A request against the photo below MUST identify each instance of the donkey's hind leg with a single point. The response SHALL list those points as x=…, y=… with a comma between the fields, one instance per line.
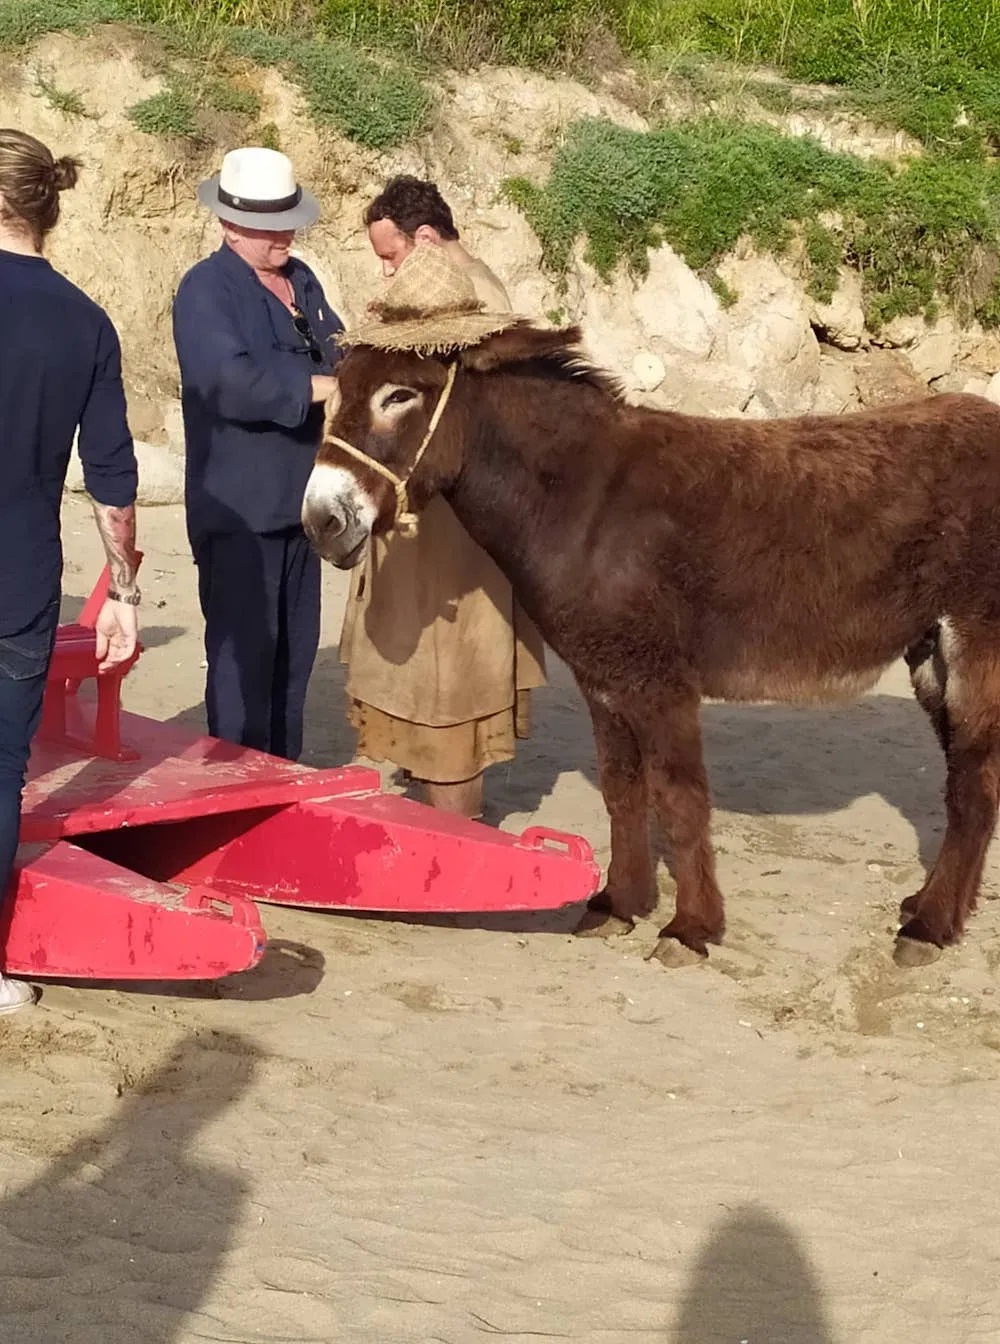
x=630, y=890
x=928, y=667
x=681, y=795
x=971, y=715
x=929, y=678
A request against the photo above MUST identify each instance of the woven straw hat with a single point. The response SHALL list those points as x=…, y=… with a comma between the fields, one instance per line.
x=430, y=306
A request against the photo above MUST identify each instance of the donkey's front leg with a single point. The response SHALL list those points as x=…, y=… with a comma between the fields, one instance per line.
x=682, y=800
x=630, y=889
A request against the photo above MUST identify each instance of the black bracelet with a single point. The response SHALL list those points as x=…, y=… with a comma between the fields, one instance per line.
x=131, y=600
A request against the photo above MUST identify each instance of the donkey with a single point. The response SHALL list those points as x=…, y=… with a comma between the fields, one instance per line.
x=668, y=557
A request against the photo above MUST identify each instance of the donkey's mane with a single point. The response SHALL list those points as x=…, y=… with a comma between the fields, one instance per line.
x=552, y=353
x=568, y=364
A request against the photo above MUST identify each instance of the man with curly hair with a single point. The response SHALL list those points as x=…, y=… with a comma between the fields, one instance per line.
x=441, y=659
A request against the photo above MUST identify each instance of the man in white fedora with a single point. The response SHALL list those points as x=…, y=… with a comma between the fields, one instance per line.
x=254, y=336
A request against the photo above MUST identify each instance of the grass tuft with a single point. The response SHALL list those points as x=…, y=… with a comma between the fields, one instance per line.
x=170, y=112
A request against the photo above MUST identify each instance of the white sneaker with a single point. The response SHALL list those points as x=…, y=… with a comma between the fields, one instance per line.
x=15, y=995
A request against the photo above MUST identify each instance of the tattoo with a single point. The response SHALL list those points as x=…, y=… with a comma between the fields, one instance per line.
x=117, y=529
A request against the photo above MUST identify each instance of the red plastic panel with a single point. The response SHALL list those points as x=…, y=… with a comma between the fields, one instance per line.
x=383, y=853
x=176, y=775
x=77, y=916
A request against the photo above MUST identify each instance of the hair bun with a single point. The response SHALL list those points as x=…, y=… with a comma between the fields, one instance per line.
x=64, y=172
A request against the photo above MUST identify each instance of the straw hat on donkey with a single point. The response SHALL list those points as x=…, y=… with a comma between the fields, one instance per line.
x=430, y=307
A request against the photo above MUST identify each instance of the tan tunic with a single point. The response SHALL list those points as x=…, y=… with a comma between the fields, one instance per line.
x=441, y=659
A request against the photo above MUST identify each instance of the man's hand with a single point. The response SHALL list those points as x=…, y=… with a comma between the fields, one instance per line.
x=117, y=630
x=322, y=386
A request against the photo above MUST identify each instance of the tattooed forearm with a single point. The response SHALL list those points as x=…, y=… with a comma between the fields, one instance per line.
x=117, y=529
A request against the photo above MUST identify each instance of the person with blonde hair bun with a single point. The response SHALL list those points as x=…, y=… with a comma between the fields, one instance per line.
x=60, y=379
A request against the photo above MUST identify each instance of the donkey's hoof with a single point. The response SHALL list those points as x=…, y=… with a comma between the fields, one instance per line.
x=913, y=952
x=598, y=923
x=672, y=954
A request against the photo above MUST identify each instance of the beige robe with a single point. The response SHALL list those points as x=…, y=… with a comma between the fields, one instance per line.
x=440, y=658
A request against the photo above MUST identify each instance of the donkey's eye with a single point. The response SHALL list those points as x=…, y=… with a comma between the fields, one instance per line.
x=399, y=396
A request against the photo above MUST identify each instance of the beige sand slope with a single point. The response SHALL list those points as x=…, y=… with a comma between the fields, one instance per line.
x=395, y=1132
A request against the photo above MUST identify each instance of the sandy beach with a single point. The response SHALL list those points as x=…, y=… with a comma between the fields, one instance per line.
x=452, y=1131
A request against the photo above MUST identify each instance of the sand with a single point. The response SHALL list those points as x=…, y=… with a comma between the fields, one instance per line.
x=454, y=1131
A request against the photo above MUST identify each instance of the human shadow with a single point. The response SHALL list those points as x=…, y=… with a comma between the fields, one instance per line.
x=752, y=1284
x=123, y=1237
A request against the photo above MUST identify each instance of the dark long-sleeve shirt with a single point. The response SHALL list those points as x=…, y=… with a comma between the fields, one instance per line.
x=60, y=371
x=250, y=427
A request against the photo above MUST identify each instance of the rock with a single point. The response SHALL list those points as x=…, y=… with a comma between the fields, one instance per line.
x=173, y=426
x=708, y=387
x=837, y=388
x=902, y=332
x=993, y=388
x=161, y=475
x=957, y=381
x=982, y=355
x=933, y=355
x=932, y=348
x=770, y=333
x=841, y=322
x=648, y=371
x=677, y=307
x=885, y=376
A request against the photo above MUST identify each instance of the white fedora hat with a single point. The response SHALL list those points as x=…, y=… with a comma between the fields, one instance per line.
x=257, y=188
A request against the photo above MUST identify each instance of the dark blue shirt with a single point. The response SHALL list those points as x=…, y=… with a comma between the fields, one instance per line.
x=60, y=370
x=250, y=426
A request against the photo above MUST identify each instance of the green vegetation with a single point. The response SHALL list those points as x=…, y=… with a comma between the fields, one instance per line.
x=925, y=228
x=931, y=67
x=170, y=112
x=66, y=101
x=375, y=102
x=701, y=185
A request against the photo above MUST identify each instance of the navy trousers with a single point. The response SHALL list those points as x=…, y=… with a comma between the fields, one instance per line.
x=260, y=597
x=24, y=663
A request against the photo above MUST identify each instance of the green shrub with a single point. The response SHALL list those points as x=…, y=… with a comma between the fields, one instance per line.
x=170, y=112
x=24, y=21
x=702, y=185
x=377, y=103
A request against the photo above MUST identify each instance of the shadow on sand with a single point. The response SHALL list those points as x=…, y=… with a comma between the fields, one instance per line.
x=753, y=1284
x=124, y=1235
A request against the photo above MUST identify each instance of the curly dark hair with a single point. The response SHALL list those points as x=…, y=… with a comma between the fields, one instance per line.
x=410, y=202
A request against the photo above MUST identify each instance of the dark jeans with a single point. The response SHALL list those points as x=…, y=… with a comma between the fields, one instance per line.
x=24, y=662
x=260, y=597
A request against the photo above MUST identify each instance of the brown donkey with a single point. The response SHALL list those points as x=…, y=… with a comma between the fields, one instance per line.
x=667, y=557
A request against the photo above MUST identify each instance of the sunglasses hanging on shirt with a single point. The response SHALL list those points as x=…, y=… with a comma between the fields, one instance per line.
x=301, y=324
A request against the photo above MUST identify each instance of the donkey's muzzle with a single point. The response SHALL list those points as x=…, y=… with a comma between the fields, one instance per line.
x=334, y=536
x=336, y=516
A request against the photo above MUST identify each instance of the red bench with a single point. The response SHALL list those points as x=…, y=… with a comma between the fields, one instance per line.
x=74, y=660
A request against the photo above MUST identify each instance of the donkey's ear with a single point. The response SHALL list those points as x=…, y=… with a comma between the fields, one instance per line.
x=518, y=344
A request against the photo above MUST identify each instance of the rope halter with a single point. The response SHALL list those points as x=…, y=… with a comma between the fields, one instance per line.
x=404, y=519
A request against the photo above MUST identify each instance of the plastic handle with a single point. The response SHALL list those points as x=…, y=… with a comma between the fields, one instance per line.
x=240, y=909
x=540, y=837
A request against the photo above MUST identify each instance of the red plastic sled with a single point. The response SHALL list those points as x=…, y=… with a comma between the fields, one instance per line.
x=144, y=856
